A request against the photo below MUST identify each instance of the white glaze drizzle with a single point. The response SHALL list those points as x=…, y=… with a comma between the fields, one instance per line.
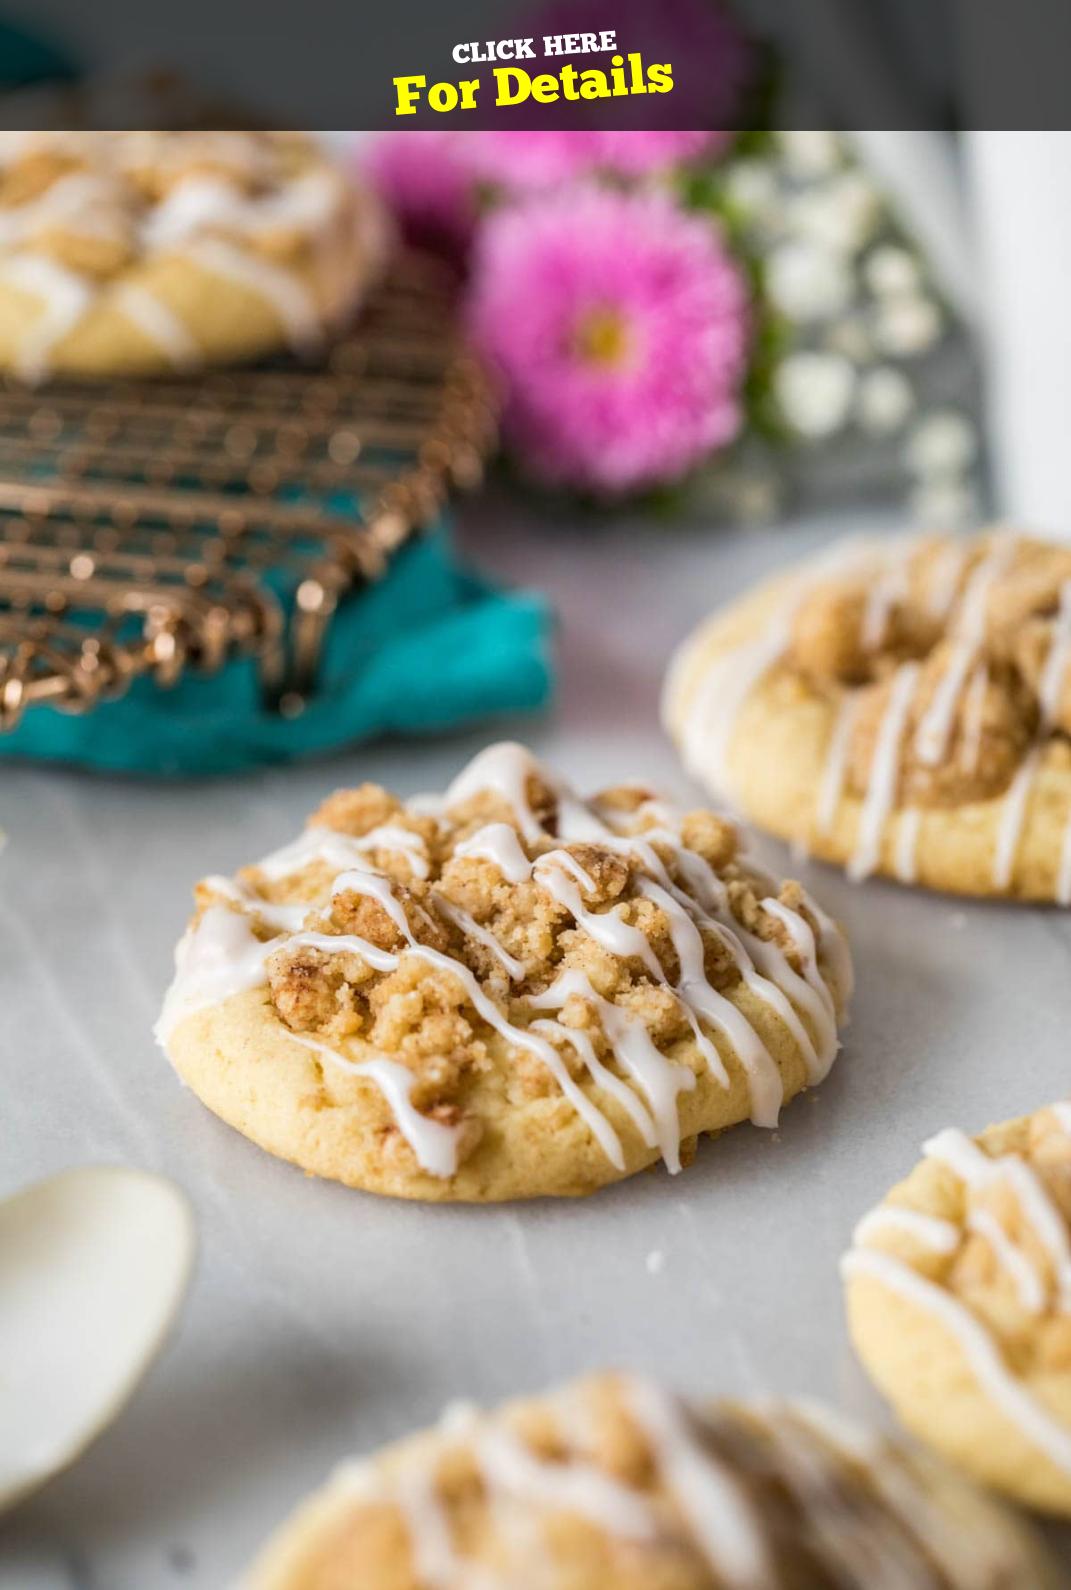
x=1028, y=1415
x=905, y=855
x=436, y=1562
x=378, y=887
x=976, y=1169
x=861, y=1545
x=710, y=718
x=1011, y=1259
x=974, y=718
x=889, y=588
x=498, y=843
x=581, y=1042
x=282, y=289
x=775, y=979
x=964, y=1558
x=201, y=203
x=939, y=1236
x=831, y=786
x=510, y=1467
x=218, y=957
x=935, y=725
x=434, y=1144
x=716, y=1508
x=702, y=999
x=945, y=575
x=66, y=297
x=661, y=1080
x=503, y=770
x=72, y=200
x=1012, y=816
x=287, y=918
x=1061, y=1112
x=884, y=772
x=344, y=850
x=160, y=324
x=715, y=710
x=468, y=925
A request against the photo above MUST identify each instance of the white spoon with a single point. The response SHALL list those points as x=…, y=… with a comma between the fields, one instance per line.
x=93, y=1266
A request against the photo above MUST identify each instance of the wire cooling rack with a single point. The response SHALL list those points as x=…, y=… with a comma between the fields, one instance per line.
x=147, y=528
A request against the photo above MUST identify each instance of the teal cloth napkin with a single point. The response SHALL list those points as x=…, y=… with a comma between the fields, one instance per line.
x=428, y=647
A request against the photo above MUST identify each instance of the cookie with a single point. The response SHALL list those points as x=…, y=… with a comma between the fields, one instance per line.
x=502, y=992
x=145, y=252
x=615, y=1482
x=900, y=707
x=959, y=1301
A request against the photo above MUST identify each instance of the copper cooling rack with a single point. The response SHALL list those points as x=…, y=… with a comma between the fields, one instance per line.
x=153, y=527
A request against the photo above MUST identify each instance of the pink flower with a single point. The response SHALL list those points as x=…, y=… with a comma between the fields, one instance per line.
x=427, y=186
x=620, y=328
x=525, y=161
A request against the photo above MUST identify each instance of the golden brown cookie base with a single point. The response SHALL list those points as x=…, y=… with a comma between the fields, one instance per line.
x=777, y=756
x=244, y=1064
x=922, y=1367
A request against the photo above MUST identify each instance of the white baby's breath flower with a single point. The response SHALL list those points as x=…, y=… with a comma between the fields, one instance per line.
x=943, y=445
x=907, y=325
x=884, y=400
x=850, y=336
x=944, y=505
x=753, y=188
x=839, y=214
x=807, y=282
x=814, y=391
x=891, y=271
x=810, y=154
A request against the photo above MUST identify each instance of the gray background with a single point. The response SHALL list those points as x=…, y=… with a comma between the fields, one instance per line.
x=323, y=1321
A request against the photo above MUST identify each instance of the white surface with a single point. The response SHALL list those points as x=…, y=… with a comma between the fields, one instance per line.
x=1022, y=191
x=323, y=1321
x=93, y=1266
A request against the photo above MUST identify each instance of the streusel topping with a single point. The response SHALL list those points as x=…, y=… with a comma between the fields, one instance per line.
x=603, y=942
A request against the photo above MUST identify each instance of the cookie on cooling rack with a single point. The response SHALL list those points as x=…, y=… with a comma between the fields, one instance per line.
x=613, y=1481
x=959, y=1301
x=143, y=252
x=503, y=992
x=900, y=707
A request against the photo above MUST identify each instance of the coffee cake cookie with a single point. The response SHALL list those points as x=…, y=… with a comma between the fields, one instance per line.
x=502, y=992
x=959, y=1301
x=900, y=707
x=615, y=1482
x=142, y=252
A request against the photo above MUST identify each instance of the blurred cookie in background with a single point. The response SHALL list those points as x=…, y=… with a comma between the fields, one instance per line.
x=146, y=252
x=898, y=705
x=614, y=1481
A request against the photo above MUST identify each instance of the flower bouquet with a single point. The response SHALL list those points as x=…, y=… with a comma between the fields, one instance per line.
x=741, y=314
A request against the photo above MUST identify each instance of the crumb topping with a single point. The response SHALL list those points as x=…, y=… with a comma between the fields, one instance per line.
x=1006, y=600
x=600, y=941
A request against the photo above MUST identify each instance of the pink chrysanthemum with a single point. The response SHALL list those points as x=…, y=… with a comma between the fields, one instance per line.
x=620, y=327
x=429, y=189
x=527, y=161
